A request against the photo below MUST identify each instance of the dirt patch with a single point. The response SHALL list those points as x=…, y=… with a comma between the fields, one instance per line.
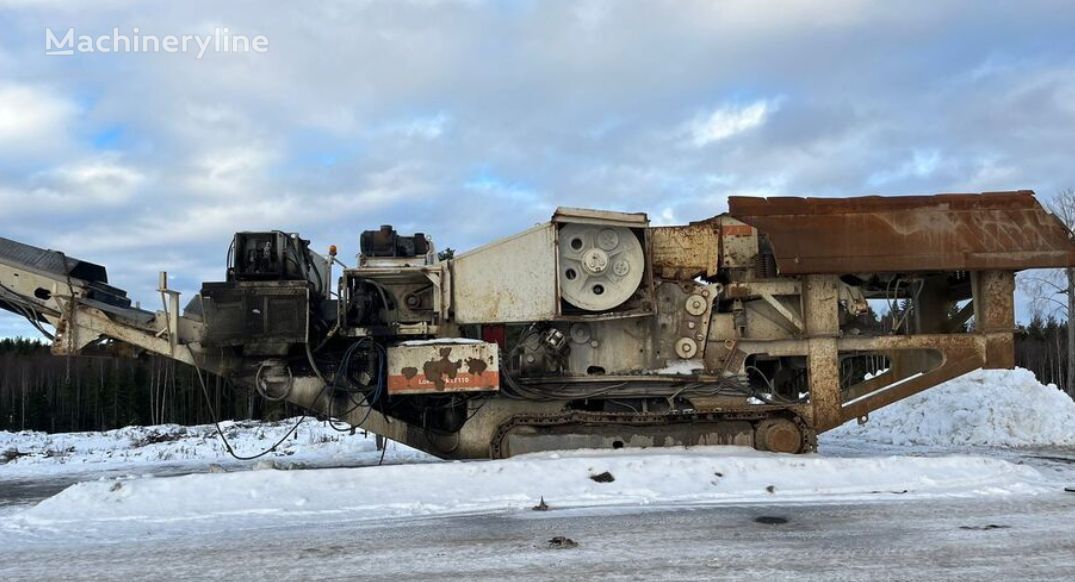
x=55, y=453
x=10, y=455
x=605, y=477
x=157, y=437
x=562, y=543
x=770, y=520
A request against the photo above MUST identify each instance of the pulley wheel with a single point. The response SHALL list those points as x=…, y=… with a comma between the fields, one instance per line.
x=600, y=266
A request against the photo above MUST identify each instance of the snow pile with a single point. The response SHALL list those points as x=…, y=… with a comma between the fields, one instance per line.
x=703, y=475
x=1008, y=408
x=29, y=453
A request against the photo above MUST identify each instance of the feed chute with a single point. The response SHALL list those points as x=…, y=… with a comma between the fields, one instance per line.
x=782, y=318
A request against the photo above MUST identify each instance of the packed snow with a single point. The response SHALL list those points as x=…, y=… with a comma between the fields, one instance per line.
x=987, y=408
x=983, y=409
x=30, y=454
x=703, y=475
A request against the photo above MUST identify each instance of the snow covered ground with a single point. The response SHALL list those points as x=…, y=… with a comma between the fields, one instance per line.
x=709, y=475
x=147, y=448
x=992, y=448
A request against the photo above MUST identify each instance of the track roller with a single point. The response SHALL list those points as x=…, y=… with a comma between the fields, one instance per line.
x=778, y=435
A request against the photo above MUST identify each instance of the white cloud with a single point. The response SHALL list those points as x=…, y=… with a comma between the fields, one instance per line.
x=591, y=14
x=32, y=118
x=402, y=184
x=232, y=171
x=921, y=164
x=748, y=15
x=667, y=217
x=427, y=128
x=101, y=180
x=85, y=185
x=726, y=121
x=195, y=225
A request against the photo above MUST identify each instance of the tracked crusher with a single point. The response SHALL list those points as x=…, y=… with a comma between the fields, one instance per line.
x=593, y=330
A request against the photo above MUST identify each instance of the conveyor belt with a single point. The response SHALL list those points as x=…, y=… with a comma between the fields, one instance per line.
x=46, y=261
x=55, y=264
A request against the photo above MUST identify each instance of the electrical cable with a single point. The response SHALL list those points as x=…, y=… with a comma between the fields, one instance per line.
x=331, y=334
x=892, y=290
x=312, y=266
x=229, y=262
x=216, y=419
x=26, y=311
x=264, y=393
x=343, y=373
x=381, y=290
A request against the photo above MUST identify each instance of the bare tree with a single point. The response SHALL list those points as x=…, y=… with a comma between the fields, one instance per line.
x=1052, y=293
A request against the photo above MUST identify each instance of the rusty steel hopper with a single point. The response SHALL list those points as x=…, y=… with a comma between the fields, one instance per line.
x=947, y=232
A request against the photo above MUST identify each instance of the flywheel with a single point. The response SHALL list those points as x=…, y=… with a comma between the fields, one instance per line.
x=600, y=266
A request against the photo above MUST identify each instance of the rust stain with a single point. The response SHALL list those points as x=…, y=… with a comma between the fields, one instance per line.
x=1002, y=230
x=995, y=292
x=409, y=372
x=736, y=230
x=437, y=370
x=685, y=252
x=476, y=366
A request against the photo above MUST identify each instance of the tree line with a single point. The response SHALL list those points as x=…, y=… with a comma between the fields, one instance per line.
x=1042, y=347
x=40, y=391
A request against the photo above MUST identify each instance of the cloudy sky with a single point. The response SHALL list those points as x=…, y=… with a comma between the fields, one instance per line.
x=471, y=120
